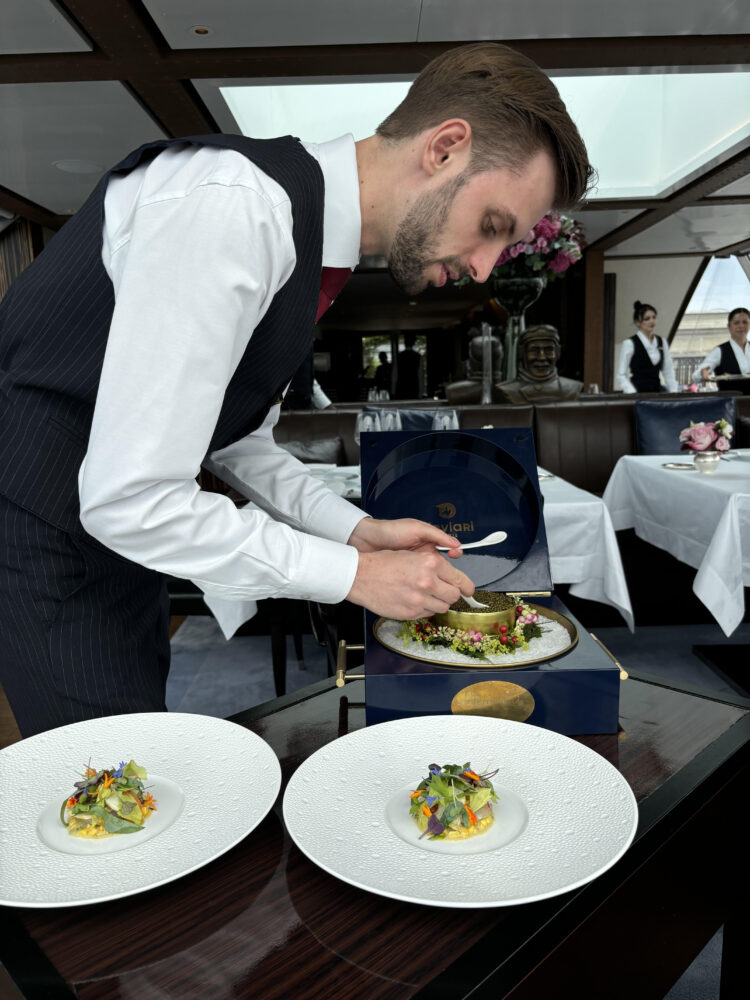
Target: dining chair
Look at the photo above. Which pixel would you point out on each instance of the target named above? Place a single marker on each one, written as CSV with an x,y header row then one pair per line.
x,y
658,422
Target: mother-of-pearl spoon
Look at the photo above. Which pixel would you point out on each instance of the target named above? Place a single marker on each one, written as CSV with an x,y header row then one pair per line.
x,y
491,539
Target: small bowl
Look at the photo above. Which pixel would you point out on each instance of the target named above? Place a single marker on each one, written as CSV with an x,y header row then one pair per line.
x,y
480,621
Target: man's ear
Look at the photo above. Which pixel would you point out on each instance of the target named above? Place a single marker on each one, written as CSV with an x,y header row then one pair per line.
x,y
447,146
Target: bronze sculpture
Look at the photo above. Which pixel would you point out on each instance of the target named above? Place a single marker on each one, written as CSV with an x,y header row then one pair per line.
x,y
537,380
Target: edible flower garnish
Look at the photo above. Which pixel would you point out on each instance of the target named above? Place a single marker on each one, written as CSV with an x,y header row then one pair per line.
x,y
110,801
453,800
469,642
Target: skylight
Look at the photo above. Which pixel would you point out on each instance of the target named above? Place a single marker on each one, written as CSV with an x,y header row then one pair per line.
x,y
644,132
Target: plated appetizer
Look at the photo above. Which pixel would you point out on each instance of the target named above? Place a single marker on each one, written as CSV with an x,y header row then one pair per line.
x,y
108,802
453,802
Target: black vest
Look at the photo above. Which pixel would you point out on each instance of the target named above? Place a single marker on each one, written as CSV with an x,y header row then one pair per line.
x,y
644,374
54,324
728,363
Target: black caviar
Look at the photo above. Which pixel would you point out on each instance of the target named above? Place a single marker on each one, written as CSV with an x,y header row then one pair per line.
x,y
495,602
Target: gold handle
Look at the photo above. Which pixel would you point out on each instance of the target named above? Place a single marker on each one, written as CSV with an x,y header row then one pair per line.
x,y
532,593
341,675
623,671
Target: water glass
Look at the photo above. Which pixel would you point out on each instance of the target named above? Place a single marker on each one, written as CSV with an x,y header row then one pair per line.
x,y
372,395
366,422
390,420
445,420
593,388
384,395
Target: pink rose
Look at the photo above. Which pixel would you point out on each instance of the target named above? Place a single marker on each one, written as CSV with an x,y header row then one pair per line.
x,y
559,263
515,250
722,443
701,438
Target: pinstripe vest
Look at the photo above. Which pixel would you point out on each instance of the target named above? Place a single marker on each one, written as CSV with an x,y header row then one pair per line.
x,y
54,324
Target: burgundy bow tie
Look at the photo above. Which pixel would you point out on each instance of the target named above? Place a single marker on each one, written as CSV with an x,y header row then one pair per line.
x,y
332,280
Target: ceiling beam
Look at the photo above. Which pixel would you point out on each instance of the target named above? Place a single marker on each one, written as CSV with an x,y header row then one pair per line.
x,y
19,205
134,53
142,51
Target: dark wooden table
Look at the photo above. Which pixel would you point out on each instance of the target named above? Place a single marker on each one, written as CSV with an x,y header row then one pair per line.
x,y
263,921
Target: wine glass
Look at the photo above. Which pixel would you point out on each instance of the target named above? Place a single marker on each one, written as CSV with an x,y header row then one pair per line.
x,y
390,420
366,422
445,420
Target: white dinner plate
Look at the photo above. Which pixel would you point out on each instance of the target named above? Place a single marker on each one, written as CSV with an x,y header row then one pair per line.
x,y
681,466
213,782
565,814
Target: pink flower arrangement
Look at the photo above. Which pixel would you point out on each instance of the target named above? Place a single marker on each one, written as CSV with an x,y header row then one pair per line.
x,y
547,251
707,437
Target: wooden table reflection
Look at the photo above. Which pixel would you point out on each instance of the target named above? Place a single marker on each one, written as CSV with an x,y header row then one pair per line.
x,y
263,921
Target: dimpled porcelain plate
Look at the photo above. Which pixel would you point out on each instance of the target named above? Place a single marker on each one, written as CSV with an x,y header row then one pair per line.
x,y
213,781
564,817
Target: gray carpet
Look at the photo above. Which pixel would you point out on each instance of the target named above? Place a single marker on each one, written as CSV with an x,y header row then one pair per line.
x,y
213,676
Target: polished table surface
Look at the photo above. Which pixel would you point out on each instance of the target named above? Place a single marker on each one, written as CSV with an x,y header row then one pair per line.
x,y
263,921
701,519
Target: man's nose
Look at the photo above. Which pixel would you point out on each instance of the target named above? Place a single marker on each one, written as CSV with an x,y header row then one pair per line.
x,y
481,263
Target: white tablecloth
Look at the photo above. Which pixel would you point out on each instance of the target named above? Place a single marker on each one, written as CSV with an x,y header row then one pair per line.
x,y
702,520
583,547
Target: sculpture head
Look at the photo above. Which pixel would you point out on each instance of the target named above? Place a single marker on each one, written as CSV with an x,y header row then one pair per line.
x,y
538,353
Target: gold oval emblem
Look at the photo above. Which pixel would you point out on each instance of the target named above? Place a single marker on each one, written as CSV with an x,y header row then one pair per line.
x,y
495,699
446,510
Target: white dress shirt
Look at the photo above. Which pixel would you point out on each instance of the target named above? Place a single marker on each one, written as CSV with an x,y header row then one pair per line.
x,y
713,358
197,242
622,376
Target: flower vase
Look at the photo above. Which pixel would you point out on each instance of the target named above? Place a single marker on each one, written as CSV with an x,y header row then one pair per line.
x,y
706,461
515,295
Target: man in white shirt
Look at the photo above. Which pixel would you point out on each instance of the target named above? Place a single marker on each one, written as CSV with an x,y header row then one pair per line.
x,y
169,350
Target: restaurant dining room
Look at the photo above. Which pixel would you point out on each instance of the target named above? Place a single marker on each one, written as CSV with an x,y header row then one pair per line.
x,y
374,499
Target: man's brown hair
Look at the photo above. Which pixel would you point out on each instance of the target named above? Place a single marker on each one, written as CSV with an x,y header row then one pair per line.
x,y
513,108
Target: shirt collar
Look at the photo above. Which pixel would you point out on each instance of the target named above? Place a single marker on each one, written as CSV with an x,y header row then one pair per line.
x,y
342,221
650,345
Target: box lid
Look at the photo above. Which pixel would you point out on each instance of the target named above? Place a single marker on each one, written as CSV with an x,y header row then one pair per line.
x,y
469,483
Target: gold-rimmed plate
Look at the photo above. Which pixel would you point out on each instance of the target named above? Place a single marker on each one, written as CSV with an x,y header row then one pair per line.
x,y
540,650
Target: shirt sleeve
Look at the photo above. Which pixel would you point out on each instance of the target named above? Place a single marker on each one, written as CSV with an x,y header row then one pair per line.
x,y
191,284
711,360
622,380
667,369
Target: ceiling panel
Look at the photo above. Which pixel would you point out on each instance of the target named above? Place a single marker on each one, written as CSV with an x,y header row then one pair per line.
x,y
234,23
597,224
44,123
37,26
701,228
740,187
446,20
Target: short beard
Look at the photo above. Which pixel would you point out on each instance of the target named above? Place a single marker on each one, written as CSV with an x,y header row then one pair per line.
x,y
415,243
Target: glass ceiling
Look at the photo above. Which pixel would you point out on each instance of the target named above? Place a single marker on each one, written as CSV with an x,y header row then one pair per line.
x,y
644,133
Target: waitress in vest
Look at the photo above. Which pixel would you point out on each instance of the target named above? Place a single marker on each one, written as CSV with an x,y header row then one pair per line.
x,y
733,356
644,357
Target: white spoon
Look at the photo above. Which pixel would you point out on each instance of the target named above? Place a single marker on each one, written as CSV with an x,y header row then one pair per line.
x,y
492,539
475,604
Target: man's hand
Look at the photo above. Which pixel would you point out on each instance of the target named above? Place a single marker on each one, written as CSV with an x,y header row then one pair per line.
x,y
408,584
371,535
706,373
